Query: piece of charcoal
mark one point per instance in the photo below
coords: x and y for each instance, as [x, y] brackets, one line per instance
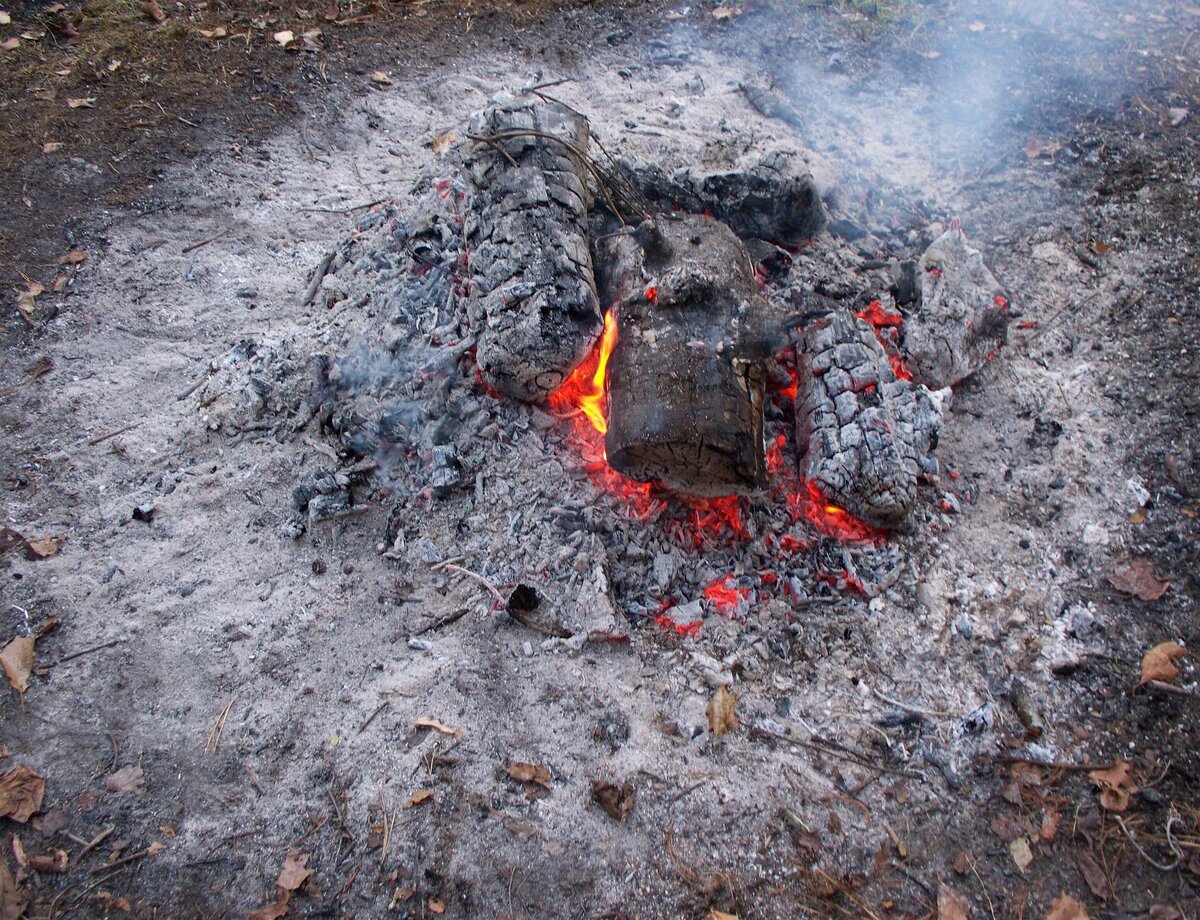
[324, 507]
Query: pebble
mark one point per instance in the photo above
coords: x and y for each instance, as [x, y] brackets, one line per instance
[419, 645]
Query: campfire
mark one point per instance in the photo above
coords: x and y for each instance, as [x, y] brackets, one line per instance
[765, 438]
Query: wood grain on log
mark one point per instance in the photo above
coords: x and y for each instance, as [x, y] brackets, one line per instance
[686, 379]
[533, 298]
[864, 435]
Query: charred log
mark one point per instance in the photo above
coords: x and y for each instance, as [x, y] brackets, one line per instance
[960, 317]
[771, 197]
[864, 435]
[686, 378]
[533, 298]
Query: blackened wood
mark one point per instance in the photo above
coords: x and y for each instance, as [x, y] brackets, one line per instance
[864, 435]
[533, 298]
[686, 379]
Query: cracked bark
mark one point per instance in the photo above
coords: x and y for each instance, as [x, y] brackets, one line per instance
[533, 298]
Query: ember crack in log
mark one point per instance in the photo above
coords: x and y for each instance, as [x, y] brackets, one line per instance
[686, 379]
[960, 318]
[533, 297]
[864, 435]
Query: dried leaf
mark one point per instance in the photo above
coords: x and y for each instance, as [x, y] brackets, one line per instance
[436, 907]
[420, 797]
[82, 103]
[1093, 874]
[722, 13]
[153, 10]
[50, 861]
[963, 860]
[1159, 662]
[441, 142]
[951, 905]
[426, 722]
[44, 547]
[1035, 148]
[285, 38]
[112, 903]
[18, 849]
[1021, 854]
[21, 793]
[617, 801]
[1067, 908]
[378, 76]
[295, 871]
[155, 848]
[1050, 822]
[273, 911]
[126, 781]
[17, 660]
[74, 257]
[218, 32]
[1115, 784]
[12, 901]
[722, 716]
[529, 773]
[26, 299]
[1137, 578]
[52, 146]
[10, 44]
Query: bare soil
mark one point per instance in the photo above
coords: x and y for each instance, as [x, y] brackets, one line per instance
[265, 685]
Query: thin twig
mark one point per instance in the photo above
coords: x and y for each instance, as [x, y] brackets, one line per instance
[442, 621]
[1170, 842]
[211, 239]
[197, 385]
[214, 736]
[254, 779]
[349, 210]
[95, 842]
[492, 589]
[132, 857]
[100, 439]
[371, 718]
[317, 278]
[87, 651]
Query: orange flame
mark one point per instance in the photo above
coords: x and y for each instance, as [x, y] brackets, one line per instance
[584, 389]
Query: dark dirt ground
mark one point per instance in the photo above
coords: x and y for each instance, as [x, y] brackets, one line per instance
[1122, 173]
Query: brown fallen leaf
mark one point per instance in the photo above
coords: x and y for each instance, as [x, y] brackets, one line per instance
[156, 848]
[1050, 821]
[442, 142]
[951, 905]
[153, 10]
[74, 257]
[26, 299]
[435, 906]
[378, 76]
[617, 801]
[12, 899]
[88, 102]
[285, 38]
[295, 871]
[44, 547]
[50, 861]
[1021, 854]
[218, 32]
[274, 910]
[1115, 784]
[111, 902]
[721, 711]
[532, 774]
[17, 660]
[1159, 662]
[1093, 874]
[1035, 148]
[126, 781]
[1137, 577]
[426, 722]
[21, 793]
[963, 861]
[1067, 908]
[420, 797]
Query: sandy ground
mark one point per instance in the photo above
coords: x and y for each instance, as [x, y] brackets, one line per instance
[266, 687]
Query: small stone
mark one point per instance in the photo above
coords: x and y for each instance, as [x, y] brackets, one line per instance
[419, 645]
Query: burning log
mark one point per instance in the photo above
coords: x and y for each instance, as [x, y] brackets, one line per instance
[958, 311]
[533, 298]
[687, 375]
[864, 434]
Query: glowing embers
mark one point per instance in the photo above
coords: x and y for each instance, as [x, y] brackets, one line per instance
[808, 503]
[889, 327]
[727, 599]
